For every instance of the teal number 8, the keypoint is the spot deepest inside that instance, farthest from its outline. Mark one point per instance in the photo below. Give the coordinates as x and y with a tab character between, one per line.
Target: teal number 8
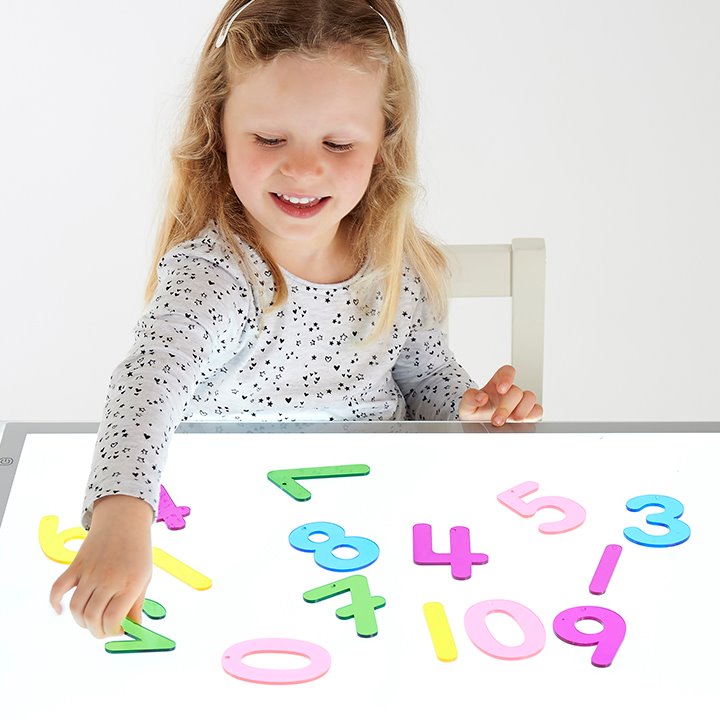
335	538
678	531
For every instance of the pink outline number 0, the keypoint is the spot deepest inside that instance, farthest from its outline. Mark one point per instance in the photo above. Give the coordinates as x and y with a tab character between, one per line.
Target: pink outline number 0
233	664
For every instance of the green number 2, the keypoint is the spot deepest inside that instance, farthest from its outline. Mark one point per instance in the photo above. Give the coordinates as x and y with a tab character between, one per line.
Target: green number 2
144	640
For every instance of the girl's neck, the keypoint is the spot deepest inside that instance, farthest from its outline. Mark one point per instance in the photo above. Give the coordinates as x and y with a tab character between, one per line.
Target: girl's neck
325	265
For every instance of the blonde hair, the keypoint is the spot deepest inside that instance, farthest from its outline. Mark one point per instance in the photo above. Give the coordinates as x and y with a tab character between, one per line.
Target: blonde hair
381	228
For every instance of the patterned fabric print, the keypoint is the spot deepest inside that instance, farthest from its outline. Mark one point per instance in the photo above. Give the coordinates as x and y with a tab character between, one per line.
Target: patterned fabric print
200	355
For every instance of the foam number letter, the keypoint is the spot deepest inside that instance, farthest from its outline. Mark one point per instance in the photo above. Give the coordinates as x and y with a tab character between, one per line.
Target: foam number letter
459	558
574	513
144	640
180	570
440	632
678	532
318	656
608	640
605	569
52	542
171	514
362	605
367	550
531	625
286	480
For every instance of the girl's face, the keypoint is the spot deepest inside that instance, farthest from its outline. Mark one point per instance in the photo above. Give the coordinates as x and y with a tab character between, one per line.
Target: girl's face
302	128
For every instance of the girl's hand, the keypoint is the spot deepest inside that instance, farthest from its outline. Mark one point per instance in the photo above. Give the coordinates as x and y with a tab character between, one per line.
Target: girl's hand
499	401
112	568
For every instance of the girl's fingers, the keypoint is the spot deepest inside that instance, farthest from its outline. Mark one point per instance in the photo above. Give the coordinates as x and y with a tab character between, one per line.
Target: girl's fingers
504	379
118	608
127	604
525	406
507	404
474	406
78	603
96	615
535	414
135	612
515	404
67	581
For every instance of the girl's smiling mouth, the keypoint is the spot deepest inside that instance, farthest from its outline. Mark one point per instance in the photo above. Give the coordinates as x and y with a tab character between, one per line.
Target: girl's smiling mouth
302	209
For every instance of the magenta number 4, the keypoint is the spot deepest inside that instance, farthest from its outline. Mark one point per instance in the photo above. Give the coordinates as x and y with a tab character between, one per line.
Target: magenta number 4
460	558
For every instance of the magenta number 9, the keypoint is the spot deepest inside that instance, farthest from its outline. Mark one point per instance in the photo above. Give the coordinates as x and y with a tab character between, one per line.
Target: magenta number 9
608	640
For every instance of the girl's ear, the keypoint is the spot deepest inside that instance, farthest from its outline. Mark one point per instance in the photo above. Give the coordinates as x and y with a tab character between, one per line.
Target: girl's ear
378	158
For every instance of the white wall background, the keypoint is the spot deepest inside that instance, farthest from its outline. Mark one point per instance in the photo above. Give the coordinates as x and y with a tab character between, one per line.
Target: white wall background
590	124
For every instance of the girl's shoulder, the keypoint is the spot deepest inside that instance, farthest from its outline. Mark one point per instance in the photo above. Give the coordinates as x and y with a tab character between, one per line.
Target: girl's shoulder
211	246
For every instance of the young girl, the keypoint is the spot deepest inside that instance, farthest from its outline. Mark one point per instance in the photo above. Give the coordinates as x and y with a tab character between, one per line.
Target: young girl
290	281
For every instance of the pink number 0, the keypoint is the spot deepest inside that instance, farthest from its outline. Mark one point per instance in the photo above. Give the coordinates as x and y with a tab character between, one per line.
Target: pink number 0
233	661
574	513
478	631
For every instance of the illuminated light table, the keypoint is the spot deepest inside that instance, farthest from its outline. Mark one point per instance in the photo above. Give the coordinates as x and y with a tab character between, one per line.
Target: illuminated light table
476	550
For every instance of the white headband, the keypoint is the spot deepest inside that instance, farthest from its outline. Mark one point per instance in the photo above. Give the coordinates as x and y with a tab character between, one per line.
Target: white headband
223	33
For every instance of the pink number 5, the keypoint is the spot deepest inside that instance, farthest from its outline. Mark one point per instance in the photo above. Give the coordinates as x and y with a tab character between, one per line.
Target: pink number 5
574	513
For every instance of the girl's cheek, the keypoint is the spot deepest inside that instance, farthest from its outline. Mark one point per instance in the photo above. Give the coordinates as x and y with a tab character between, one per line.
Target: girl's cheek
253	164
358	170
246	170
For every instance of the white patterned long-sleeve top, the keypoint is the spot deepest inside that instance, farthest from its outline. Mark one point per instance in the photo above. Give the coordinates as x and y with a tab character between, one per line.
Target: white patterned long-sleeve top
202	354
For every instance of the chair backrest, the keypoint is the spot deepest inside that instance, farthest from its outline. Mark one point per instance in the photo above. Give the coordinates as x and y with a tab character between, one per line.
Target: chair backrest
517	271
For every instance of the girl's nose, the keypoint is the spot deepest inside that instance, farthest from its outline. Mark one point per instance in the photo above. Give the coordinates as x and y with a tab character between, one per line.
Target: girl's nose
301	163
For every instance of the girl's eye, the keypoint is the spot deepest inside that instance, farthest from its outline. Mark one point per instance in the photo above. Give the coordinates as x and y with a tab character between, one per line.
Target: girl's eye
274	142
336	147
267	142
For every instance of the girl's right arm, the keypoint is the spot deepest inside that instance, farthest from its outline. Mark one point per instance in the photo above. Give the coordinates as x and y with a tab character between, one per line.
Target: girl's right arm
112	568
193	327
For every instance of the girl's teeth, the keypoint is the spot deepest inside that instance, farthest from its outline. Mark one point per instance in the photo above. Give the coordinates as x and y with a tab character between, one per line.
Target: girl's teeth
298	201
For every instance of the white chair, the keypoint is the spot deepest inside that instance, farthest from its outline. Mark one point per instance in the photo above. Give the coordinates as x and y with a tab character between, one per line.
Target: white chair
516	271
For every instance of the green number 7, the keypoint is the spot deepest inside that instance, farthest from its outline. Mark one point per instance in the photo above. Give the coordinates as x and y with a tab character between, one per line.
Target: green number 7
286	480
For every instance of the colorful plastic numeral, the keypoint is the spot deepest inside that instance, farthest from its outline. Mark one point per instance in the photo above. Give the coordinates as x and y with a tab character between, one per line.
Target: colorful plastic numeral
233	664
440	632
608	640
180	570
362	604
286	480
367	550
171	514
531	625
678	531
52	543
459	558
574	513
144	640
605	569
153	609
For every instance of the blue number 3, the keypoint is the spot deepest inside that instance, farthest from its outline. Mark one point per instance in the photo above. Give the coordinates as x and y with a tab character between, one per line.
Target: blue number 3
678	531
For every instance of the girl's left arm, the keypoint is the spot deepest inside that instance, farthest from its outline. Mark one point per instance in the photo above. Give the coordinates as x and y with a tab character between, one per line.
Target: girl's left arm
427	373
437	387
